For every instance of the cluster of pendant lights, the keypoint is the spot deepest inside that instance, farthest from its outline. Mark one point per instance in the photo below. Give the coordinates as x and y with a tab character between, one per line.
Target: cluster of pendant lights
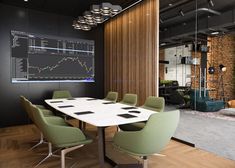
97	15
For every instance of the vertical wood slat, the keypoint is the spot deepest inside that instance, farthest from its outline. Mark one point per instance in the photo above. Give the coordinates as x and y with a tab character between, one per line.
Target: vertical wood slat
131	51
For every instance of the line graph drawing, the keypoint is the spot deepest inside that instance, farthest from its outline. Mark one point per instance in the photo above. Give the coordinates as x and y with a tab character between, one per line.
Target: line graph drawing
73	59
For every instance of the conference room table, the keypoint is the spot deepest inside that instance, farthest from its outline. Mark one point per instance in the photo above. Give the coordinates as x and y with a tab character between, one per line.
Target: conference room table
102	114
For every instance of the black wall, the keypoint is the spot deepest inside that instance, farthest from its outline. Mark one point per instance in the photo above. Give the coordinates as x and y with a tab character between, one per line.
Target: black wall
26	20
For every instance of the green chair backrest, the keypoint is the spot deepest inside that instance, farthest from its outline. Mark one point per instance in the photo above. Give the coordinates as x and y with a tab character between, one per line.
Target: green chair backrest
158	130
156	134
129	99
24	103
154	103
56	134
60	94
112	96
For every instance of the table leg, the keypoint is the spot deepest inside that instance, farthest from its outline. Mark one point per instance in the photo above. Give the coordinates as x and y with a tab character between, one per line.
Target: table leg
101	146
80	124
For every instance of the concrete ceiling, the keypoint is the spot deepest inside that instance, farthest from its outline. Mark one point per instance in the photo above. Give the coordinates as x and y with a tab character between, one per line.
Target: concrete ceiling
178	20
72	8
177	16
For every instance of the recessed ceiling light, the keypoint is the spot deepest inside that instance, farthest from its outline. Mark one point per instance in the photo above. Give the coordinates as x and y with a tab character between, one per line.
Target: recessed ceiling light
26	0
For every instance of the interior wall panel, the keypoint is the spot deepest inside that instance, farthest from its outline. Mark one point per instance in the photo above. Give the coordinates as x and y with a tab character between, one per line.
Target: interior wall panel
131	51
27	20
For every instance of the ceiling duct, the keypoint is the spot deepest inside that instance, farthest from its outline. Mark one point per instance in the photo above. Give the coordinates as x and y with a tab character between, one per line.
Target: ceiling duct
189	15
174	5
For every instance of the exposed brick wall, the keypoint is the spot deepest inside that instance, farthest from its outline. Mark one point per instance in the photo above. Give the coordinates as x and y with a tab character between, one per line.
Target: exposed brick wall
161	66
222	51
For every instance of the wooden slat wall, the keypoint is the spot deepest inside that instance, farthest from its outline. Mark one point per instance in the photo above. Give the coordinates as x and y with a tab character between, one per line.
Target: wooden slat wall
131	51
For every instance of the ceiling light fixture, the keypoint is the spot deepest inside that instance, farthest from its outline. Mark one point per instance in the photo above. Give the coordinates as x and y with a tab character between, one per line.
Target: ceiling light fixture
86	27
87	15
78	27
74	23
211	3
97	15
116	9
160	19
181	13
98	18
106	9
26	0
81	20
95	9
215	33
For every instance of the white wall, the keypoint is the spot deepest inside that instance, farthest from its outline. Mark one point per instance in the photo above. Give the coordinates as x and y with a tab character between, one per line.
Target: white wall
176	70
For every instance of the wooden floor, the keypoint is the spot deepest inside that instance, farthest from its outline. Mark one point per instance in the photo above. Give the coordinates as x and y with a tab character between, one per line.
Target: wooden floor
15	142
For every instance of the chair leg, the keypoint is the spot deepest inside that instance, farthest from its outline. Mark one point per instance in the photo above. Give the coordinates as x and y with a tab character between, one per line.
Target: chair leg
84	126
80	124
41	141
145	162
50	154
65	151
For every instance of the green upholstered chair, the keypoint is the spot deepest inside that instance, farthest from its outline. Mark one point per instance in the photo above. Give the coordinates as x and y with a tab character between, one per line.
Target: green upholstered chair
129	99
112	96
25	103
45	111
66	137
60	94
152	103
156	134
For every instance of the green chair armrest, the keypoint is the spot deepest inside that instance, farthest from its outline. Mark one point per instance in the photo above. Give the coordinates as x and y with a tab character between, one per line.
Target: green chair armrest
56	120
40	106
47	112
